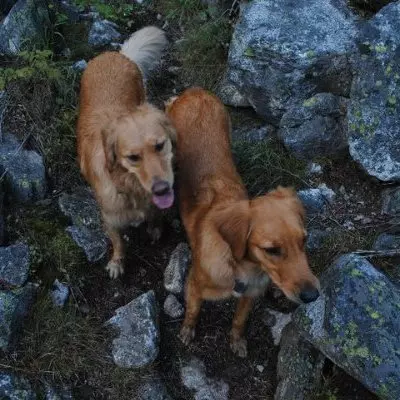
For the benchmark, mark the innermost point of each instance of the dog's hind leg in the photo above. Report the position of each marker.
(115, 266)
(238, 342)
(193, 305)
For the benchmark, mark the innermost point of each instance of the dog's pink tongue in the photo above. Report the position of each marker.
(164, 201)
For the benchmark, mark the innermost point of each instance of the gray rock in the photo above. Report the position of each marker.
(14, 307)
(283, 53)
(315, 239)
(55, 393)
(299, 367)
(277, 327)
(59, 293)
(86, 231)
(93, 243)
(230, 95)
(391, 202)
(316, 200)
(316, 128)
(193, 375)
(13, 387)
(137, 344)
(314, 169)
(103, 33)
(25, 27)
(254, 134)
(172, 307)
(374, 129)
(356, 324)
(153, 388)
(14, 265)
(79, 66)
(24, 172)
(175, 273)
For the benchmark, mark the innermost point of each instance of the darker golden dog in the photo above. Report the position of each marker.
(125, 143)
(237, 244)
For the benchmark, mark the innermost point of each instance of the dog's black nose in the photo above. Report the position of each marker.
(309, 295)
(160, 188)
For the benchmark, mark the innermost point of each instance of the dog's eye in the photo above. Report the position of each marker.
(159, 146)
(134, 158)
(273, 251)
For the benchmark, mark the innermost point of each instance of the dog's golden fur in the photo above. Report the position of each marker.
(124, 143)
(233, 240)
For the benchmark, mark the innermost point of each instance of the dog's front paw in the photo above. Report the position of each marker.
(239, 346)
(186, 334)
(115, 268)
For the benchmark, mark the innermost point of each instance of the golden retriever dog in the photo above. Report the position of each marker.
(237, 244)
(124, 143)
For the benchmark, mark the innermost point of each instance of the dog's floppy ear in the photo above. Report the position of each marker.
(233, 224)
(109, 143)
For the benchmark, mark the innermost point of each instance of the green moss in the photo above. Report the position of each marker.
(388, 70)
(380, 48)
(310, 102)
(310, 54)
(392, 101)
(249, 52)
(356, 272)
(378, 83)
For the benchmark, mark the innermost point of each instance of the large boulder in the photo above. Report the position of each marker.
(24, 171)
(86, 229)
(25, 27)
(355, 323)
(374, 127)
(137, 343)
(299, 367)
(282, 53)
(14, 307)
(14, 265)
(315, 128)
(103, 33)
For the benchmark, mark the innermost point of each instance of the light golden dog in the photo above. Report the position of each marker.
(124, 143)
(237, 244)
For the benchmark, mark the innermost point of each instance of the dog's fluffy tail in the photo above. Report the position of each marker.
(145, 48)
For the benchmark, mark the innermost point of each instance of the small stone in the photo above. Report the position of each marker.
(14, 265)
(281, 320)
(349, 225)
(103, 33)
(316, 200)
(79, 66)
(13, 387)
(137, 344)
(260, 368)
(230, 95)
(172, 307)
(14, 307)
(87, 230)
(24, 172)
(314, 169)
(193, 375)
(59, 293)
(175, 273)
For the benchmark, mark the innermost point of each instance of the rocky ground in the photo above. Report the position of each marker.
(311, 87)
